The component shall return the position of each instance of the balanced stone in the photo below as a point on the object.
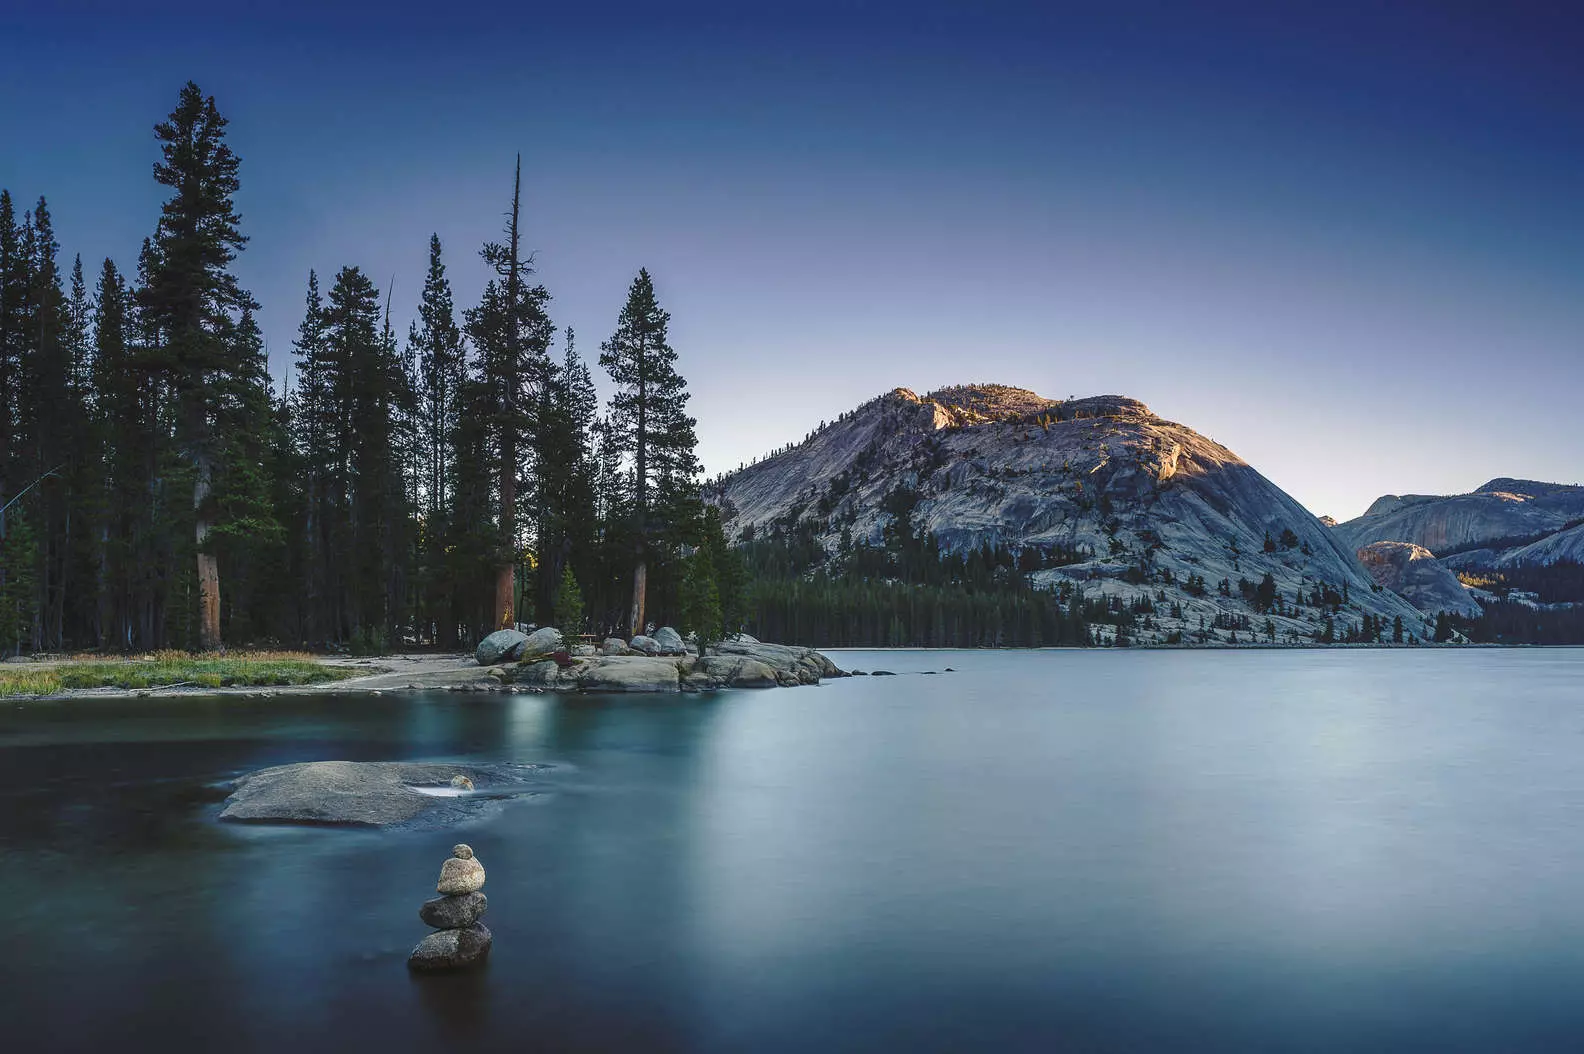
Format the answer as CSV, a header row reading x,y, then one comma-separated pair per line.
x,y
452,949
460,875
454,913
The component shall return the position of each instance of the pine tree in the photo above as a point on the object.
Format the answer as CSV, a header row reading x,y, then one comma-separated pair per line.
x,y
193,299
700,599
317,423
50,415
441,373
649,422
513,332
568,609
731,576
564,473
246,535
367,507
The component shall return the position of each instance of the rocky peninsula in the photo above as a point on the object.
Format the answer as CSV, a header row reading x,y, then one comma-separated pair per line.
x,y
660,663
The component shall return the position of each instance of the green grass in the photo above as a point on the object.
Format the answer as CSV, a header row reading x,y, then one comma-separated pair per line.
x,y
167,669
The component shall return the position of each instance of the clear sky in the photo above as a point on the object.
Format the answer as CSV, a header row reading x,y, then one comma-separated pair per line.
x,y
1347,242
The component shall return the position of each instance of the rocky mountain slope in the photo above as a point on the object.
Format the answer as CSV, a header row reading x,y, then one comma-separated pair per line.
x,y
1412,572
1503,515
1126,503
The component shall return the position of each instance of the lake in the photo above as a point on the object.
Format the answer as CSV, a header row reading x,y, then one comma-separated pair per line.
x,y
1089,850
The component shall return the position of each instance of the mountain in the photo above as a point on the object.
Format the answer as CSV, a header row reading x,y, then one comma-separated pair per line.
x,y
1505,514
1567,544
1412,572
1100,492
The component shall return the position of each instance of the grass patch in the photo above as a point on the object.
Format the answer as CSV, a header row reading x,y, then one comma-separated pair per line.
x,y
168,669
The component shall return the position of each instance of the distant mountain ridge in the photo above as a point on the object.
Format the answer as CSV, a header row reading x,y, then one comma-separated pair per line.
x,y
1133,504
1505,521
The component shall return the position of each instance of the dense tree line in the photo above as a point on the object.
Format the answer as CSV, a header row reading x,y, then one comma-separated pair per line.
x,y
1515,622
910,591
159,490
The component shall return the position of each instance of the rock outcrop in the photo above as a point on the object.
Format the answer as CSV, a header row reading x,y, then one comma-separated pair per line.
x,y
460,940
740,662
1100,492
369,793
1413,572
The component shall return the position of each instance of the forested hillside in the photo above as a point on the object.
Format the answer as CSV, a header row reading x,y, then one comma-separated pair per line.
x,y
159,489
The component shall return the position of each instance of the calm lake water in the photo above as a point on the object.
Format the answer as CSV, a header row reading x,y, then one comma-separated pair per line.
x,y
1040,851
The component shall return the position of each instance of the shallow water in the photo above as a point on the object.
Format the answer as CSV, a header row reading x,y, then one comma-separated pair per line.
x,y
1043,850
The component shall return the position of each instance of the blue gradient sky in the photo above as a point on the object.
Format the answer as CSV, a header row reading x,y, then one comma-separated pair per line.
x,y
1349,244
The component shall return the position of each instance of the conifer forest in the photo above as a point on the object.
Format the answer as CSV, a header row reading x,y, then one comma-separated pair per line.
x,y
161,490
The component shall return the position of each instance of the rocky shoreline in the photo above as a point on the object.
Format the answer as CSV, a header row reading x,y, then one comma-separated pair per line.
x,y
740,663
663,663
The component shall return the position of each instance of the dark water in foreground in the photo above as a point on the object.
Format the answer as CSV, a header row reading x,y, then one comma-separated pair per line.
x,y
1053,850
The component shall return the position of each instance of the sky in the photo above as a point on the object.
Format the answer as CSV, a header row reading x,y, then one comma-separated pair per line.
x,y
1344,240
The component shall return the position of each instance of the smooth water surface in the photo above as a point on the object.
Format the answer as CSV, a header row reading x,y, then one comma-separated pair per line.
x,y
1042,850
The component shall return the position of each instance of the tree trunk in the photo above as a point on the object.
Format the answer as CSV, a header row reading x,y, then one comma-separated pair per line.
x,y
208,565
640,586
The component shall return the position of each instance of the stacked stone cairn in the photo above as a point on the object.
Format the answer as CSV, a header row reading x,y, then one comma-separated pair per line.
x,y
460,940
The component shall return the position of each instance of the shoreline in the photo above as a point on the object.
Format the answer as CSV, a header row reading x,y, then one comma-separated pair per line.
x,y
387,674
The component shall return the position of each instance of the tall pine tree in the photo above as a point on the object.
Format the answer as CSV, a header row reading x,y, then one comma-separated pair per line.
x,y
193,299
649,423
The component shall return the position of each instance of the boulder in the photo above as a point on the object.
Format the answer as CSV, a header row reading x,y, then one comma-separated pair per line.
x,y
630,673
546,640
361,793
670,641
644,645
458,875
454,913
583,651
546,673
615,646
503,645
452,949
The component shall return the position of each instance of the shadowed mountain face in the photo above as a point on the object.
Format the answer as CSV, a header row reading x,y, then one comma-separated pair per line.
x,y
1135,505
1503,516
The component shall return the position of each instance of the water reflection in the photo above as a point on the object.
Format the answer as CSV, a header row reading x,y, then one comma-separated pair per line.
x,y
1044,850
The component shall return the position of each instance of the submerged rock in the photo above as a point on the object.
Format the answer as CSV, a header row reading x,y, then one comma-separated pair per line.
x,y
503,645
452,949
363,793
